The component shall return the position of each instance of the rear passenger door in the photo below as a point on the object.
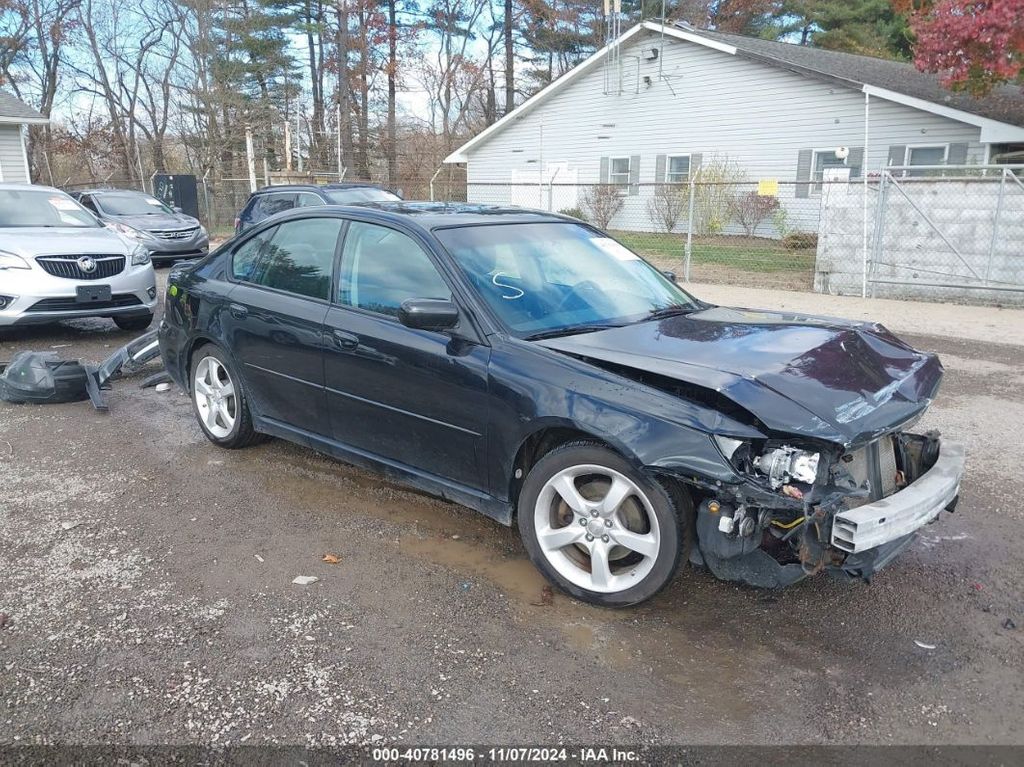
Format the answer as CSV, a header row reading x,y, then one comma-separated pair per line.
x,y
276,316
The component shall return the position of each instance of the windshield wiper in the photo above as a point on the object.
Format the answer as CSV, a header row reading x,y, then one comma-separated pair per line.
x,y
677,310
570,330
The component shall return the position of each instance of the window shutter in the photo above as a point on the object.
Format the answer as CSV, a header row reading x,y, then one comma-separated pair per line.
x,y
855,162
695,160
897,154
803,172
604,170
659,169
634,174
957,154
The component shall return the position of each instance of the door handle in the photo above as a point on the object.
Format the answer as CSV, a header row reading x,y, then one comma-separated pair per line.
x,y
345,340
238,311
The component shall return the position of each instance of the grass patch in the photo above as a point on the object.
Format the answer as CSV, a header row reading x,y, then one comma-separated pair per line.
x,y
752,254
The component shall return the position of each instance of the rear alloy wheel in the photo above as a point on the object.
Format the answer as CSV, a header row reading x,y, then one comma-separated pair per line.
x,y
219,400
598,528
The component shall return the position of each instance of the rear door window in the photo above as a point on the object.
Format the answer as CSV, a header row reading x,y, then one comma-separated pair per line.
x,y
247,255
307,200
299,257
271,204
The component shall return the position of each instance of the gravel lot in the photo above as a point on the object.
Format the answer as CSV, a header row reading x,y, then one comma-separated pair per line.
x,y
146,594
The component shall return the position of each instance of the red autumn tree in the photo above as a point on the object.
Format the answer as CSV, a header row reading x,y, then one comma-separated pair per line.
x,y
974,44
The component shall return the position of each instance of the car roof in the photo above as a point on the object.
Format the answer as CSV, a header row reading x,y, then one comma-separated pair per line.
x,y
11,186
318,187
441,215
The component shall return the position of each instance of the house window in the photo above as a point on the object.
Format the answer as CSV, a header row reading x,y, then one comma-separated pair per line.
x,y
619,174
926,155
677,170
825,159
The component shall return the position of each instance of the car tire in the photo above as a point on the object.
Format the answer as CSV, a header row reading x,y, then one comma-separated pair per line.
x,y
134,322
219,400
634,525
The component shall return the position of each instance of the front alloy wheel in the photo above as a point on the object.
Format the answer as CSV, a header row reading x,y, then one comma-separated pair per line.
x,y
598,528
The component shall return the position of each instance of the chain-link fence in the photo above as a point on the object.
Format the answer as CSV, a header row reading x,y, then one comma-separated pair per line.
x,y
943,233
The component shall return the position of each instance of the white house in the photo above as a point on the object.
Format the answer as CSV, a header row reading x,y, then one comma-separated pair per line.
x,y
14,116
655,104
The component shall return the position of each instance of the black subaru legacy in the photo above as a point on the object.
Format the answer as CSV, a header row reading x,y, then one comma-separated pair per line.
x,y
530,367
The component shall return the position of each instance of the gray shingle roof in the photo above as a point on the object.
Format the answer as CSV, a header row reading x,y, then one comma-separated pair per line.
x,y
1005,103
10,107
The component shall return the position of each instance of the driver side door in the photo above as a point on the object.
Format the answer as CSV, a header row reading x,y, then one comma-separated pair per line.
x,y
415,397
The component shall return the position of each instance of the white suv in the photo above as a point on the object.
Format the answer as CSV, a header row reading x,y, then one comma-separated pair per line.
x,y
58,262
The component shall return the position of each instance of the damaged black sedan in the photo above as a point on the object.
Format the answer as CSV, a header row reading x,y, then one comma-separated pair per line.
x,y
532,368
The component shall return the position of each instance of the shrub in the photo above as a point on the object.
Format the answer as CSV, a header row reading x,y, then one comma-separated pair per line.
x,y
668,205
574,212
714,191
800,241
751,209
601,202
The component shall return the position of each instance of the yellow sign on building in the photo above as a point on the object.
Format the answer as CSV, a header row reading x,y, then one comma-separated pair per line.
x,y
768,187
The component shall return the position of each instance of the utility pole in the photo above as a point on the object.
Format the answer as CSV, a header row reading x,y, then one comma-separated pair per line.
x,y
287,146
250,158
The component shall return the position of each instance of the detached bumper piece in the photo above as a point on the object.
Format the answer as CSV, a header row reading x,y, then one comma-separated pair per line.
x,y
42,377
893,518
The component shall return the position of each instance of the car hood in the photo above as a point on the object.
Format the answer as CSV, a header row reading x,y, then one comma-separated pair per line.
x,y
838,380
29,242
156,221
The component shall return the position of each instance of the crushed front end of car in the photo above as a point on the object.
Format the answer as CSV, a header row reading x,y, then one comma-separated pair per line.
x,y
806,510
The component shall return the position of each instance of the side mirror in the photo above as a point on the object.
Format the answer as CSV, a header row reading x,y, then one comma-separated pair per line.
x,y
428,314
669,273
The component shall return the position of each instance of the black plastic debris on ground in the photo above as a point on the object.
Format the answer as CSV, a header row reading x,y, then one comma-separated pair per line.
x,y
44,378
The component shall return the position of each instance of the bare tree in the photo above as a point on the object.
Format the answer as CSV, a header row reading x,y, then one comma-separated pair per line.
x,y
668,204
601,202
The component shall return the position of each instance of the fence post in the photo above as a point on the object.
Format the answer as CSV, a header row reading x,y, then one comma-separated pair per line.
x,y
995,224
689,232
880,211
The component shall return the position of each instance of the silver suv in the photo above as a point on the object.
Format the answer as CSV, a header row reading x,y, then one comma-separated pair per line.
x,y
58,262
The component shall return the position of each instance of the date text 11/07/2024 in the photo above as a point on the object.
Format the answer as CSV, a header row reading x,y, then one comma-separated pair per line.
x,y
504,754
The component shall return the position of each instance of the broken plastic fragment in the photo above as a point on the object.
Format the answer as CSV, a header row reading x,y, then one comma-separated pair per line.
x,y
305,580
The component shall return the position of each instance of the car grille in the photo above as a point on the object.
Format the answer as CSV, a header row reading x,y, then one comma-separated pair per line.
x,y
174,234
71,305
874,466
67,266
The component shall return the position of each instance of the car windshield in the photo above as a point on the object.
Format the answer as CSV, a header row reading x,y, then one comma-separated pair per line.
x,y
130,204
541,279
360,194
42,207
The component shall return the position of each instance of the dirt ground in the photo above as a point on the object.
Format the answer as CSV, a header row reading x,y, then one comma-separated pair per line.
x,y
146,595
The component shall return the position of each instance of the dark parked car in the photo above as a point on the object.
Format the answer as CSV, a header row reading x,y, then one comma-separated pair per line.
x,y
166,232
271,200
532,368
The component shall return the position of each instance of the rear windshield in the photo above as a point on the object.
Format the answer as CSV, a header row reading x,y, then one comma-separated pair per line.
x,y
42,207
360,194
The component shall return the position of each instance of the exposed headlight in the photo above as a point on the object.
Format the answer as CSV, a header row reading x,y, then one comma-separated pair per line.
x,y
140,256
780,465
784,464
129,231
11,261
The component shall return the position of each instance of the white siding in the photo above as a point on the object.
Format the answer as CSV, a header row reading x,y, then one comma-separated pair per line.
x,y
12,157
709,102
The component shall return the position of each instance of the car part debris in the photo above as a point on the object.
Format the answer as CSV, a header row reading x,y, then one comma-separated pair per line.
x,y
43,377
924,645
305,580
163,377
163,386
